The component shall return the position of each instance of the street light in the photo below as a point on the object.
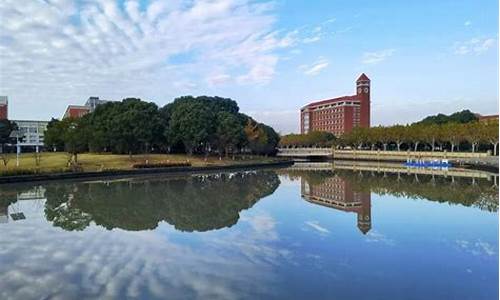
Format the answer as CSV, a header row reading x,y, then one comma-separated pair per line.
x,y
18,135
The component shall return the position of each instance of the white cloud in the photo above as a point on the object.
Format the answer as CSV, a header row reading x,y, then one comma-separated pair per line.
x,y
371,58
315,68
377,237
467,23
218,79
476,248
284,121
475,46
315,225
66,50
311,39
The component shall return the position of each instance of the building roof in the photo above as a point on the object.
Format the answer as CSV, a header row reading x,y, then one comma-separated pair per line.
x,y
363,77
77,107
332,100
82,107
481,117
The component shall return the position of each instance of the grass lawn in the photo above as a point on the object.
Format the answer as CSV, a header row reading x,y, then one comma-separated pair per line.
x,y
57,162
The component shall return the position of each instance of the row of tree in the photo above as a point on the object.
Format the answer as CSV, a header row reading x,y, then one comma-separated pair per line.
x,y
418,136
194,125
450,136
311,139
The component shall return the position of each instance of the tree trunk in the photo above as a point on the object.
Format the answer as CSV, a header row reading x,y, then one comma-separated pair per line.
x,y
452,147
433,145
385,147
416,146
399,146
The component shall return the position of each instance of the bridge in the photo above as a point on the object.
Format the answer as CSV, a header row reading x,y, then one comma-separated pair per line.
x,y
305,152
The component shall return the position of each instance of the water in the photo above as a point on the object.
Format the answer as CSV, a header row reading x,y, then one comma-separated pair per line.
x,y
268,234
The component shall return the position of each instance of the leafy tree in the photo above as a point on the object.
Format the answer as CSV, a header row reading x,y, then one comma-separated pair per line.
x,y
465,116
473,136
489,133
6,129
314,139
54,135
229,132
261,139
75,141
454,133
192,125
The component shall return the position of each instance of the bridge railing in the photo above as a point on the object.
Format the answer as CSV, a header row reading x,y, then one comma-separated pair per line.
x,y
305,151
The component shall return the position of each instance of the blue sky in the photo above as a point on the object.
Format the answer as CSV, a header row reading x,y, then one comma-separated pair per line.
x,y
273,57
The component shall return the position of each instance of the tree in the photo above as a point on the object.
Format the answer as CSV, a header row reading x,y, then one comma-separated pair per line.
x,y
490,134
472,135
75,141
454,133
399,134
465,116
53,136
229,132
6,129
192,125
314,138
261,139
384,136
416,133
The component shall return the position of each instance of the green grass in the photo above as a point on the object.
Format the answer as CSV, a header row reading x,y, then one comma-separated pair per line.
x,y
55,162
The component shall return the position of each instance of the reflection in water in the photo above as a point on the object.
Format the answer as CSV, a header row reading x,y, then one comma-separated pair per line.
x,y
268,253
194,203
333,184
337,192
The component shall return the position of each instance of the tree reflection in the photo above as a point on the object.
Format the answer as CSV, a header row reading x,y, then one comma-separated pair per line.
x,y
195,203
468,191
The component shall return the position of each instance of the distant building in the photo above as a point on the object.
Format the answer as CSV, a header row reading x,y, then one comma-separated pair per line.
x,y
78,111
336,192
93,102
4,107
339,115
32,133
487,118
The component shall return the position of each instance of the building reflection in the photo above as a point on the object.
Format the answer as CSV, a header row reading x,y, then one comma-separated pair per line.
x,y
336,192
13,202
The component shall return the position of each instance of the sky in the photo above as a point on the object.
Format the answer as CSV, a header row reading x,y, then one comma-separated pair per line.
x,y
272,57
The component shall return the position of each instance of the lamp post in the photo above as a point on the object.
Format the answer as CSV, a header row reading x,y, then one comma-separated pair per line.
x,y
16,134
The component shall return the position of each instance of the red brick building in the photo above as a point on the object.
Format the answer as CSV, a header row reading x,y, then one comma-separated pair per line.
x,y
339,115
76,111
4,108
336,192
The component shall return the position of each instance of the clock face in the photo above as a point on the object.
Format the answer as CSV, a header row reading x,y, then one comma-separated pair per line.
x,y
366,90
359,90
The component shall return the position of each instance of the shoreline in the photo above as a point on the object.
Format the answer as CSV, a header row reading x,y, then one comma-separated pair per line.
x,y
137,172
477,166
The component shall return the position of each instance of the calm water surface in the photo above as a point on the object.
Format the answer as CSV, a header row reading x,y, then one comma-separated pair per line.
x,y
268,234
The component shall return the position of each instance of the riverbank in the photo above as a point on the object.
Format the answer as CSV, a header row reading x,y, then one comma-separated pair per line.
x,y
477,160
107,165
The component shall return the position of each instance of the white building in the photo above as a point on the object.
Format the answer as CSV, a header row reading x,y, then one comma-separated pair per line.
x,y
32,133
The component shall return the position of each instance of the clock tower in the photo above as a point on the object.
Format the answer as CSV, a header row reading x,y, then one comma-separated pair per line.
x,y
363,91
